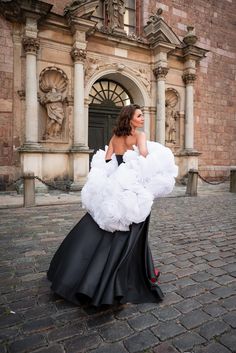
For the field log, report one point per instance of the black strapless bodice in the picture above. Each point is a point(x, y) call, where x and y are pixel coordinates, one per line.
point(119, 158)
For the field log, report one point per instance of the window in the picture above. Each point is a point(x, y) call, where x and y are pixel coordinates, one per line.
point(130, 17)
point(109, 93)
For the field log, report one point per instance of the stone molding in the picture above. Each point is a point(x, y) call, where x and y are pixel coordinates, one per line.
point(160, 72)
point(78, 55)
point(189, 78)
point(31, 45)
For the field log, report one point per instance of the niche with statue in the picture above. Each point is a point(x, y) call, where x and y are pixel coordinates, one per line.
point(53, 83)
point(172, 118)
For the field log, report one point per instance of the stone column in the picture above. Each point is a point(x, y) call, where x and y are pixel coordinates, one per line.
point(147, 124)
point(79, 56)
point(160, 73)
point(31, 46)
point(189, 79)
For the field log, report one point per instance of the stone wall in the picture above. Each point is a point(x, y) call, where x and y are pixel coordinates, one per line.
point(6, 99)
point(215, 89)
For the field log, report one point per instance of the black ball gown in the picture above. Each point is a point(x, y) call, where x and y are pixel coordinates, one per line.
point(105, 267)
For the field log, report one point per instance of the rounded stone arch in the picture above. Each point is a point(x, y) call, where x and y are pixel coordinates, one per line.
point(131, 82)
point(133, 85)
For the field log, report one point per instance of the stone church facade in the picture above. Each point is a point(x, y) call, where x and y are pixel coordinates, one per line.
point(67, 68)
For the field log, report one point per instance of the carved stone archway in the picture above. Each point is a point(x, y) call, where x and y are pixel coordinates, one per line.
point(133, 83)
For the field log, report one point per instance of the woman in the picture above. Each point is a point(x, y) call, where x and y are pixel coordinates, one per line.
point(105, 258)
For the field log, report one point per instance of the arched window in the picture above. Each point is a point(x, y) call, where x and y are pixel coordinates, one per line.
point(108, 92)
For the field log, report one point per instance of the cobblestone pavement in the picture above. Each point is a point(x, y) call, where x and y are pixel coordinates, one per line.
point(194, 244)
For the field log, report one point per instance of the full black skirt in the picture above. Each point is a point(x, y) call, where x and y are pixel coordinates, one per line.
point(103, 267)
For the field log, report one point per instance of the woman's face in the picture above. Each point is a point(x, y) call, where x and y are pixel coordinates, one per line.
point(137, 119)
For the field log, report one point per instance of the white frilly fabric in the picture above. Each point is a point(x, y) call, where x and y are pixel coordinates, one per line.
point(116, 196)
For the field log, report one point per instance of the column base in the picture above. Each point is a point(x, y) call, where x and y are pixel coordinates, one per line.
point(30, 146)
point(186, 159)
point(81, 148)
point(77, 185)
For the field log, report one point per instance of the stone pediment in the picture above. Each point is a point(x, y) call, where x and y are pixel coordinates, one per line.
point(157, 31)
point(81, 8)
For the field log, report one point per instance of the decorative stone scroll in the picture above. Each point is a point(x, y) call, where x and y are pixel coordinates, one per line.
point(31, 45)
point(53, 82)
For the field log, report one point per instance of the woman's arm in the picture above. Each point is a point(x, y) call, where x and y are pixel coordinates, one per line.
point(109, 150)
point(142, 144)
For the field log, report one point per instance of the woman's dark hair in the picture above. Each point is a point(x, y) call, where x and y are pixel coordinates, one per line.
point(123, 127)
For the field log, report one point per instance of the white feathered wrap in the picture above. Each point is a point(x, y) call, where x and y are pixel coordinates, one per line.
point(116, 196)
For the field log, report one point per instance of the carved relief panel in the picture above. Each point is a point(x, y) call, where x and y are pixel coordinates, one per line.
point(53, 83)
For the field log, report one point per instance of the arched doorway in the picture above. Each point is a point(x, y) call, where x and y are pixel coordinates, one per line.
point(107, 97)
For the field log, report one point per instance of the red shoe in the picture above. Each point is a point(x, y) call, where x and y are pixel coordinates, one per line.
point(157, 274)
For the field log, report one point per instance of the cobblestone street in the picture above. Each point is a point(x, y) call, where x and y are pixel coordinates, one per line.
point(193, 241)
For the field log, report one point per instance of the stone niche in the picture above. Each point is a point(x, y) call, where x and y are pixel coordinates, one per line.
point(173, 124)
point(53, 115)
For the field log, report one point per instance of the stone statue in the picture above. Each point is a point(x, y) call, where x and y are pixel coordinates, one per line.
point(170, 124)
point(53, 101)
point(115, 13)
point(53, 82)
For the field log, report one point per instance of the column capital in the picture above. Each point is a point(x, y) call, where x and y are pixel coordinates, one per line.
point(189, 78)
point(78, 54)
point(160, 72)
point(31, 45)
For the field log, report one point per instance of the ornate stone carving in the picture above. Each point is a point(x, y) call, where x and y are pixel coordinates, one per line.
point(115, 13)
point(189, 78)
point(78, 55)
point(95, 64)
point(158, 31)
point(53, 82)
point(160, 72)
point(31, 45)
point(21, 93)
point(155, 17)
point(190, 38)
point(81, 8)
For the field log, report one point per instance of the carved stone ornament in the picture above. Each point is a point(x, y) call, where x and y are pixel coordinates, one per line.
point(160, 72)
point(53, 81)
point(81, 8)
point(93, 65)
point(189, 78)
point(31, 45)
point(190, 38)
point(158, 31)
point(53, 77)
point(78, 55)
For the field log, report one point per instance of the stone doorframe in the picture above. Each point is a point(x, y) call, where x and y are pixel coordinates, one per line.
point(127, 79)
